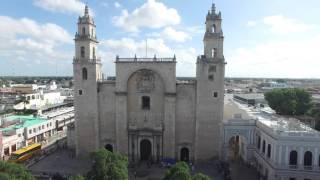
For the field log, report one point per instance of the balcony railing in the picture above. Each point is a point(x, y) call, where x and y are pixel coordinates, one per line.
point(308, 168)
point(293, 166)
point(154, 59)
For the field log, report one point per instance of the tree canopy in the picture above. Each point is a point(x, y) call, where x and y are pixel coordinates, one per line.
point(11, 171)
point(289, 101)
point(108, 166)
point(181, 171)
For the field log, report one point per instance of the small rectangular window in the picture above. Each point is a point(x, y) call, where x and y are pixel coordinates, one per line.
point(30, 131)
point(80, 92)
point(211, 77)
point(212, 68)
point(146, 102)
point(215, 94)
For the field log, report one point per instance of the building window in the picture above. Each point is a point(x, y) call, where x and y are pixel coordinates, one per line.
point(47, 125)
point(213, 28)
point(292, 178)
point(259, 142)
point(146, 102)
point(83, 31)
point(34, 130)
point(30, 131)
point(92, 32)
point(215, 94)
point(42, 126)
point(269, 151)
point(84, 74)
point(39, 128)
point(211, 77)
point(50, 124)
point(212, 68)
point(308, 158)
point(33, 97)
point(263, 146)
point(82, 52)
point(80, 93)
point(213, 52)
point(93, 52)
point(293, 159)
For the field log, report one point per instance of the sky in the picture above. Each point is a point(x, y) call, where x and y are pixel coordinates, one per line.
point(263, 38)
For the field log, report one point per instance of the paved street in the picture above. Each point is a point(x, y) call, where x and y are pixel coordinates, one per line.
point(62, 162)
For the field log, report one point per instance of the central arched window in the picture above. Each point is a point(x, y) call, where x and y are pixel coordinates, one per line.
point(293, 159)
point(84, 74)
point(82, 51)
point(146, 102)
point(308, 158)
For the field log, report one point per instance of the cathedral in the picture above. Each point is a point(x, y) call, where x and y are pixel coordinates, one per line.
point(146, 112)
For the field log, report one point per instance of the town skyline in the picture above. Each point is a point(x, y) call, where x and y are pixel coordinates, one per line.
point(261, 37)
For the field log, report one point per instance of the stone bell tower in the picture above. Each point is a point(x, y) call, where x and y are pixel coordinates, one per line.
point(210, 89)
point(87, 72)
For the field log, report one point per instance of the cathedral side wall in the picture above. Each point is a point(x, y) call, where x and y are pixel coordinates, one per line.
point(107, 114)
point(185, 118)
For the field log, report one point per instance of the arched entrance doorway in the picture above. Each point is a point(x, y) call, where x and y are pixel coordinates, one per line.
point(184, 154)
point(145, 149)
point(234, 148)
point(109, 147)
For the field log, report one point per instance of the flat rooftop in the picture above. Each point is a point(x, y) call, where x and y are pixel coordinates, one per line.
point(267, 117)
point(25, 121)
point(251, 96)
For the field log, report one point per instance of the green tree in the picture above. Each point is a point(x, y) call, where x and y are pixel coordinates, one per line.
point(179, 171)
point(200, 176)
point(77, 177)
point(11, 171)
point(289, 101)
point(108, 166)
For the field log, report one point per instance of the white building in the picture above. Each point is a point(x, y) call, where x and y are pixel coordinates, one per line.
point(18, 131)
point(280, 148)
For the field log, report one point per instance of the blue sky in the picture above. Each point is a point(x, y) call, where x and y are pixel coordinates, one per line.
point(263, 38)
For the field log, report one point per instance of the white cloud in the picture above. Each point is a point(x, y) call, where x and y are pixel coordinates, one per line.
point(285, 59)
point(62, 6)
point(172, 34)
point(152, 14)
point(25, 39)
point(281, 24)
point(128, 47)
point(117, 5)
point(251, 23)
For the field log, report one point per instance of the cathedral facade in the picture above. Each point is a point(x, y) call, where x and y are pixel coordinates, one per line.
point(145, 111)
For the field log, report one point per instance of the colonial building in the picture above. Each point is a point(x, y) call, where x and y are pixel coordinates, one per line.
point(145, 111)
point(279, 148)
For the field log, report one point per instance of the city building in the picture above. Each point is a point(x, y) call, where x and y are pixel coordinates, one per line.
point(17, 131)
point(146, 112)
point(253, 99)
point(279, 148)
